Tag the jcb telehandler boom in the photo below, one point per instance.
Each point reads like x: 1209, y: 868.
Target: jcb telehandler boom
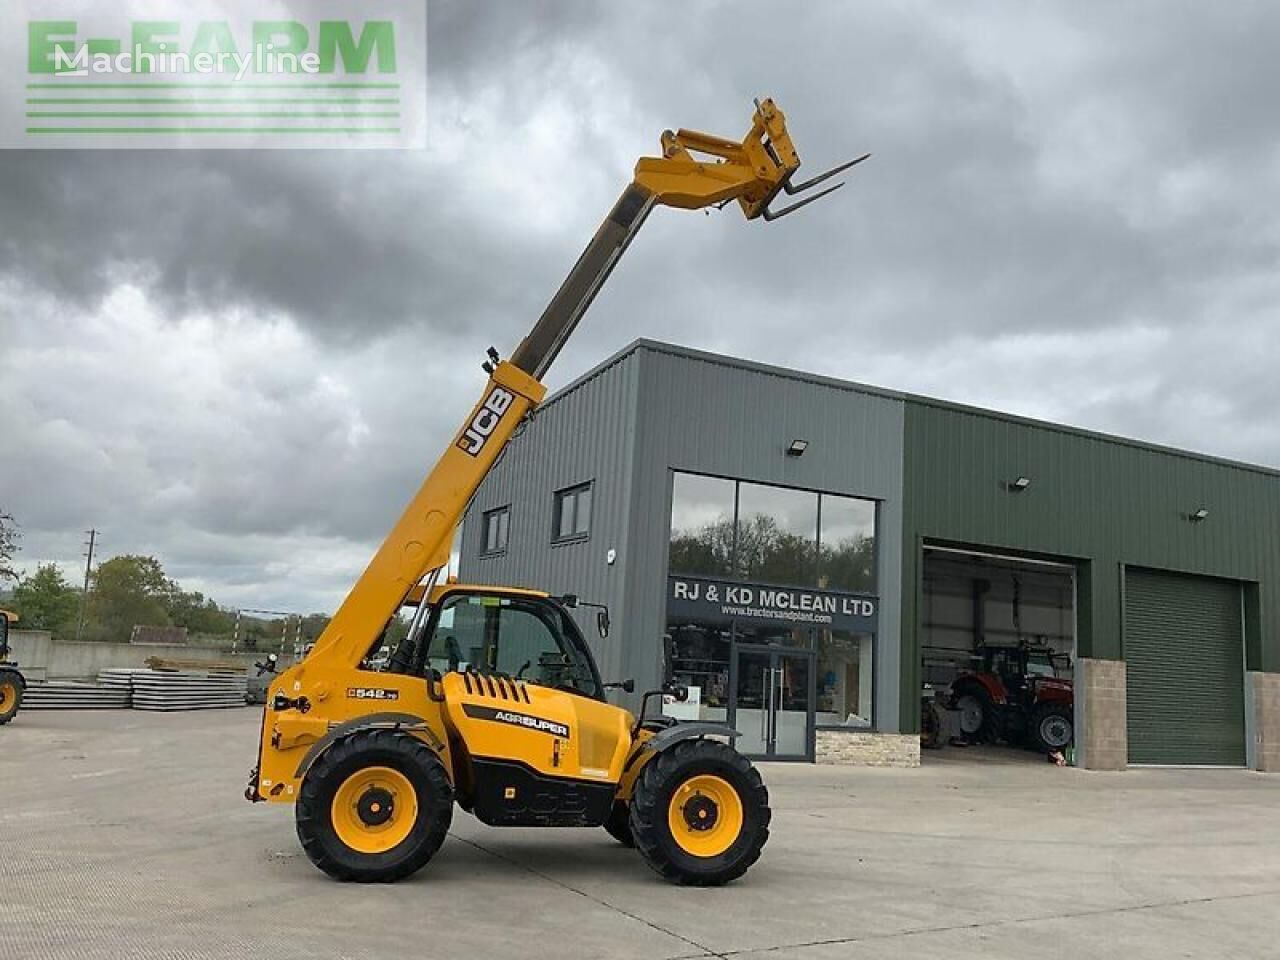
x: 493, y: 698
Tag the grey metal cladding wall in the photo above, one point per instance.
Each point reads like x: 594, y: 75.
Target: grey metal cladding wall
x: 583, y: 434
x: 706, y: 414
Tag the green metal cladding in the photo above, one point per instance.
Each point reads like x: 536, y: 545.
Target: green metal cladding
x: 1098, y: 501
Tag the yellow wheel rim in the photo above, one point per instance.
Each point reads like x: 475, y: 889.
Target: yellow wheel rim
x: 8, y: 697
x: 705, y: 816
x: 374, y: 810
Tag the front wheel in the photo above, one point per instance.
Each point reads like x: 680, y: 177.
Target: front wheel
x: 375, y: 807
x: 700, y: 813
x: 11, y: 690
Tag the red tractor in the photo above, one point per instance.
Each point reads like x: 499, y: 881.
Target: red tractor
x: 1016, y: 695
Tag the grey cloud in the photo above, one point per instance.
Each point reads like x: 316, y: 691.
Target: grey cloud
x: 1067, y: 214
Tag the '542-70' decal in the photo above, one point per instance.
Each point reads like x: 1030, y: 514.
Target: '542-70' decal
x: 372, y: 693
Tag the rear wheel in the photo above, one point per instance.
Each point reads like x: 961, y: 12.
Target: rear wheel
x: 1053, y: 727
x: 619, y: 824
x: 700, y: 813
x: 375, y: 807
x: 11, y: 690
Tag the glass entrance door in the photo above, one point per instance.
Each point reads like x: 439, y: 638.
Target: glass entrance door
x: 773, y: 702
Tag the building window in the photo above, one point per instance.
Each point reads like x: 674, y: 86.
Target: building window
x: 702, y: 525
x: 847, y: 544
x: 495, y: 528
x: 845, y: 679
x: 777, y: 535
x: 573, y: 513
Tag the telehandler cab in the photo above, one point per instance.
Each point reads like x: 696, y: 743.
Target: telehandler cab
x: 493, y: 699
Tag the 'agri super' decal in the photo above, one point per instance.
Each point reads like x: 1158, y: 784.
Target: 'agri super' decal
x: 497, y: 715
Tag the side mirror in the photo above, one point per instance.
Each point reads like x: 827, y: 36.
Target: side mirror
x: 602, y: 622
x: 626, y: 686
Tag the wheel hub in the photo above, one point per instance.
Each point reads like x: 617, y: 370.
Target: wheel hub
x: 701, y: 813
x: 375, y: 807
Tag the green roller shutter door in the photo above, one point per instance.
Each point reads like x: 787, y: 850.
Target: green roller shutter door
x: 1185, y: 661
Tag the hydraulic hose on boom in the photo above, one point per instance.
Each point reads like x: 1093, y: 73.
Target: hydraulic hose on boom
x: 695, y: 171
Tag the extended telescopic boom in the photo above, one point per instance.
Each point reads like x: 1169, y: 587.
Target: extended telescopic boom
x: 695, y: 171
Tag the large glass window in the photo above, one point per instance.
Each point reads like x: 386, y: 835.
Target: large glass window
x: 700, y: 654
x: 847, y: 556
x: 777, y: 535
x: 524, y: 640
x: 702, y: 511
x: 845, y: 679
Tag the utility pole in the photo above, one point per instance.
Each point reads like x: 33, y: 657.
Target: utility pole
x: 88, y: 566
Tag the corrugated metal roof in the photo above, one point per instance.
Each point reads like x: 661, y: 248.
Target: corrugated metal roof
x: 658, y: 346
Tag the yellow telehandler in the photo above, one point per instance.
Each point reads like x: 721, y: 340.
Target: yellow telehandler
x: 493, y: 699
x: 12, y: 682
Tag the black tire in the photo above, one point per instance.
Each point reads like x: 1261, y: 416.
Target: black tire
x: 347, y: 757
x: 12, y: 687
x: 619, y: 824
x: 653, y: 797
x: 1052, y: 727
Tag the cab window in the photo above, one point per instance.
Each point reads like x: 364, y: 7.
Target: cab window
x: 527, y: 640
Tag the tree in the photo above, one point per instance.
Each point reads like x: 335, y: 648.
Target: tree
x: 10, y: 534
x: 193, y: 611
x: 46, y: 601
x: 129, y: 591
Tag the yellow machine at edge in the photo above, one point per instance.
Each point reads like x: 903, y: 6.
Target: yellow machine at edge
x: 493, y: 700
x: 12, y: 682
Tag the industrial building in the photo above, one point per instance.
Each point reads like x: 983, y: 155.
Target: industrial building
x: 819, y: 555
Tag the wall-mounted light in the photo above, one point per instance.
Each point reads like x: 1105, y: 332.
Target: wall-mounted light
x: 1200, y: 514
x: 797, y: 448
x: 1017, y: 486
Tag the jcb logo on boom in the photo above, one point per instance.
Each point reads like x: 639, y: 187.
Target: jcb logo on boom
x: 477, y: 433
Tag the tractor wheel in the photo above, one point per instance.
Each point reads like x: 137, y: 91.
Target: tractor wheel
x: 374, y: 807
x: 978, y: 721
x: 700, y: 813
x: 11, y: 689
x: 1052, y: 727
x: 619, y: 824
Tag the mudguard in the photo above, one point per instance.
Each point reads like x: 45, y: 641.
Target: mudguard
x: 688, y: 731
x: 372, y: 721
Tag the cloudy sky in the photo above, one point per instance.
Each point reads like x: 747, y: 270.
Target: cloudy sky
x: 243, y: 362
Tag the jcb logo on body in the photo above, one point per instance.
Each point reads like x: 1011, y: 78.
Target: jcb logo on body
x: 477, y: 433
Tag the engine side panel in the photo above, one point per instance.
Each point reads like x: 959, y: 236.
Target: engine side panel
x: 551, y: 732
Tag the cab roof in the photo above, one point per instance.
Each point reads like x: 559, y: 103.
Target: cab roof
x: 440, y: 589
x: 9, y: 615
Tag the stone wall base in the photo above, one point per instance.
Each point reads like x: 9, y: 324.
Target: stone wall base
x: 865, y: 749
x: 1102, y: 721
x: 1264, y: 732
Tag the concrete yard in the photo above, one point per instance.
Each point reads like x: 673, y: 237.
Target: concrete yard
x: 124, y: 835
